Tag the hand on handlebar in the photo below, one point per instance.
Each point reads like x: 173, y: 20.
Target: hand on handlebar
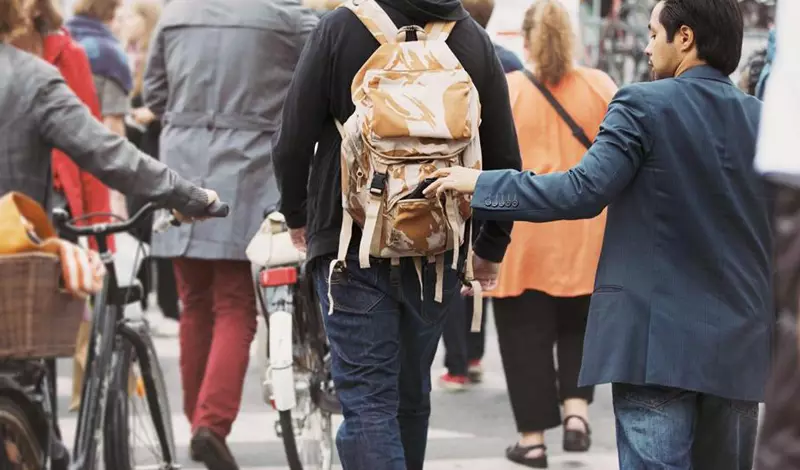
x: 214, y: 208
x: 212, y: 198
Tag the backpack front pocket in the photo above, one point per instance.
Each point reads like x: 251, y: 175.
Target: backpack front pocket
x: 416, y: 227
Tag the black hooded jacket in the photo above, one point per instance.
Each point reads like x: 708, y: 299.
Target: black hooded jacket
x: 310, y: 184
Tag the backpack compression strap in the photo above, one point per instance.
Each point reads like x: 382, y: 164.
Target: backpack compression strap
x: 439, y: 31
x: 374, y: 19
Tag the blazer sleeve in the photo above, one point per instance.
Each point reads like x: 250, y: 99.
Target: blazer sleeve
x: 155, y: 90
x: 621, y: 147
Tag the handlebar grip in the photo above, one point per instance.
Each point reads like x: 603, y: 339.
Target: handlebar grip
x: 218, y: 209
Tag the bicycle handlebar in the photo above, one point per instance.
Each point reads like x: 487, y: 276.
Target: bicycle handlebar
x: 63, y: 222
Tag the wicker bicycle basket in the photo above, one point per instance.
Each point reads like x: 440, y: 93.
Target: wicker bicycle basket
x: 37, y: 319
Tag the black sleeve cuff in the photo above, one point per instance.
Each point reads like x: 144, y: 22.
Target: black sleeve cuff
x: 493, y: 241
x: 296, y: 219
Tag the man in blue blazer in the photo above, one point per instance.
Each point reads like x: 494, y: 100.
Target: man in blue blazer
x: 681, y: 317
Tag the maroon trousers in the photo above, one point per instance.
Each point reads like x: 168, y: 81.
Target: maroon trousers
x: 217, y: 325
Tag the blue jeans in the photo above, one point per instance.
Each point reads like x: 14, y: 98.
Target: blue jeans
x: 661, y: 428
x: 383, y: 340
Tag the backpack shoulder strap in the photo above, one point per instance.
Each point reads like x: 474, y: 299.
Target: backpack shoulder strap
x: 439, y: 31
x: 374, y: 19
x: 576, y: 129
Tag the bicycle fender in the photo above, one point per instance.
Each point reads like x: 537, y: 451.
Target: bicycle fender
x: 281, y: 360
x: 12, y: 389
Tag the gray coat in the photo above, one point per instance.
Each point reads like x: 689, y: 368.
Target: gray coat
x: 40, y: 113
x: 217, y: 75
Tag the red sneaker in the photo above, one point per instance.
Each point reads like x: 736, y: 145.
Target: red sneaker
x: 475, y: 371
x: 453, y: 383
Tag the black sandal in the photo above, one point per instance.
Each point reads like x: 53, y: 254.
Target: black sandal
x: 577, y: 441
x: 519, y: 454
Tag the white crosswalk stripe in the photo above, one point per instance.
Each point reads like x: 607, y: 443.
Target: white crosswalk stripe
x: 248, y: 429
x: 596, y: 462
x: 458, y: 442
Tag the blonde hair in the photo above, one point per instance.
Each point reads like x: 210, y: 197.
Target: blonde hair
x: 101, y: 10
x: 12, y: 21
x: 150, y: 12
x: 50, y: 19
x: 549, y: 39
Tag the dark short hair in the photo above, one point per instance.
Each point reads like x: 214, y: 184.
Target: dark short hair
x: 717, y: 25
x: 479, y: 10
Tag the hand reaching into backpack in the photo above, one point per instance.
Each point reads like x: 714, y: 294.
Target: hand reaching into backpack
x: 457, y: 178
x: 485, y: 272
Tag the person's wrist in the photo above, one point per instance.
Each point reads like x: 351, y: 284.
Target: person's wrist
x: 295, y: 221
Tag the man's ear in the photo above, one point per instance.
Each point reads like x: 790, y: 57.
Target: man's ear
x: 685, y: 38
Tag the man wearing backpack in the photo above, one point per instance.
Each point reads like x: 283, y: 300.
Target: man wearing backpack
x: 404, y: 111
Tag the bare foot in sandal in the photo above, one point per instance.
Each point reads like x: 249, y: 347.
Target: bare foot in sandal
x: 529, y: 451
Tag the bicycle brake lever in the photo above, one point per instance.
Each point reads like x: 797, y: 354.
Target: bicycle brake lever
x: 164, y: 222
x: 215, y: 209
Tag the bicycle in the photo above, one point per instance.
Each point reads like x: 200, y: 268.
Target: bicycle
x: 116, y: 345
x: 297, y: 380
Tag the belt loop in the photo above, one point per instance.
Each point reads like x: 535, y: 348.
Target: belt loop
x: 211, y: 124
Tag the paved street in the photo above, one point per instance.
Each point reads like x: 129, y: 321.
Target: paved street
x: 469, y: 430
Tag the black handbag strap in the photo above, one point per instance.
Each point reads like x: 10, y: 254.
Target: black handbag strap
x: 577, y: 131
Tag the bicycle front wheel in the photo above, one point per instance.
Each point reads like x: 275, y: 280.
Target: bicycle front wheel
x: 139, y: 432
x: 21, y: 449
x: 289, y: 441
x: 307, y: 436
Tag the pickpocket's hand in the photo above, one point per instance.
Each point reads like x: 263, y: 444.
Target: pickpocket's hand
x: 457, y: 178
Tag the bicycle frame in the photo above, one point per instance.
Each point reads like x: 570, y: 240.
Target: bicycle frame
x: 109, y: 325
x: 293, y: 319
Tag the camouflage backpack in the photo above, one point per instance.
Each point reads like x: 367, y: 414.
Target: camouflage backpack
x: 417, y: 110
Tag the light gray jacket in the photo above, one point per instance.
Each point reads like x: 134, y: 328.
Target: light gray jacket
x: 217, y: 74
x: 40, y: 113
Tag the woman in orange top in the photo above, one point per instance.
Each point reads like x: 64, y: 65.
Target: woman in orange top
x: 548, y: 273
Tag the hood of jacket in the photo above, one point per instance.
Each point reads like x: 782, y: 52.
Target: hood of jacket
x: 429, y: 10
x: 420, y: 10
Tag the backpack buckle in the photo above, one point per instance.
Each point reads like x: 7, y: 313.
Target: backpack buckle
x: 378, y: 184
x: 411, y: 33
